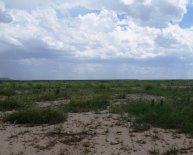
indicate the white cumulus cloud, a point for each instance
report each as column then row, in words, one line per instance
column 111, row 31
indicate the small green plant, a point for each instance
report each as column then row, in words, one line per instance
column 139, row 127
column 8, row 90
column 36, row 116
column 59, row 129
column 154, row 151
column 171, row 151
column 149, row 87
column 57, row 91
column 62, row 152
column 122, row 95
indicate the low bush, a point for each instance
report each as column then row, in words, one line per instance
column 163, row 115
column 46, row 96
column 36, row 116
column 9, row 104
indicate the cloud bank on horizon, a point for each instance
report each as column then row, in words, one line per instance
column 96, row 39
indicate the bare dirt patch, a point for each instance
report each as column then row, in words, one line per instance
column 145, row 97
column 44, row 104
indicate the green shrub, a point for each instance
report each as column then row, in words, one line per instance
column 149, row 87
column 10, row 104
column 163, row 115
column 36, row 116
column 7, row 90
column 85, row 105
column 46, row 96
column 121, row 95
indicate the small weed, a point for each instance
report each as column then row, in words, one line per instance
column 18, row 153
column 62, row 152
column 154, row 151
column 122, row 95
column 139, row 127
column 59, row 129
column 171, row 151
column 149, row 87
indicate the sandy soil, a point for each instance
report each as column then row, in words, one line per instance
column 44, row 104
column 93, row 134
column 145, row 97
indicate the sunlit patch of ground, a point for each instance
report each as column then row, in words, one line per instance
column 91, row 133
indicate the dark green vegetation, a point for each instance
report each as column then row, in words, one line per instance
column 165, row 115
column 84, row 105
column 166, row 103
column 36, row 116
column 9, row 104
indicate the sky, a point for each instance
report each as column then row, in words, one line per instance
column 96, row 39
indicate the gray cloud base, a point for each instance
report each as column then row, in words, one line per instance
column 4, row 17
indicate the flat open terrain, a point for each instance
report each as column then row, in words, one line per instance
column 96, row 117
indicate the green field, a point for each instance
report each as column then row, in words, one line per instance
column 160, row 103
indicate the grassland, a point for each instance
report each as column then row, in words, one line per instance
column 165, row 104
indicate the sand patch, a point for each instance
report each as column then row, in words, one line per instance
column 92, row 134
column 44, row 104
column 144, row 97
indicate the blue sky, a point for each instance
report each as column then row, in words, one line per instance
column 187, row 20
column 84, row 39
